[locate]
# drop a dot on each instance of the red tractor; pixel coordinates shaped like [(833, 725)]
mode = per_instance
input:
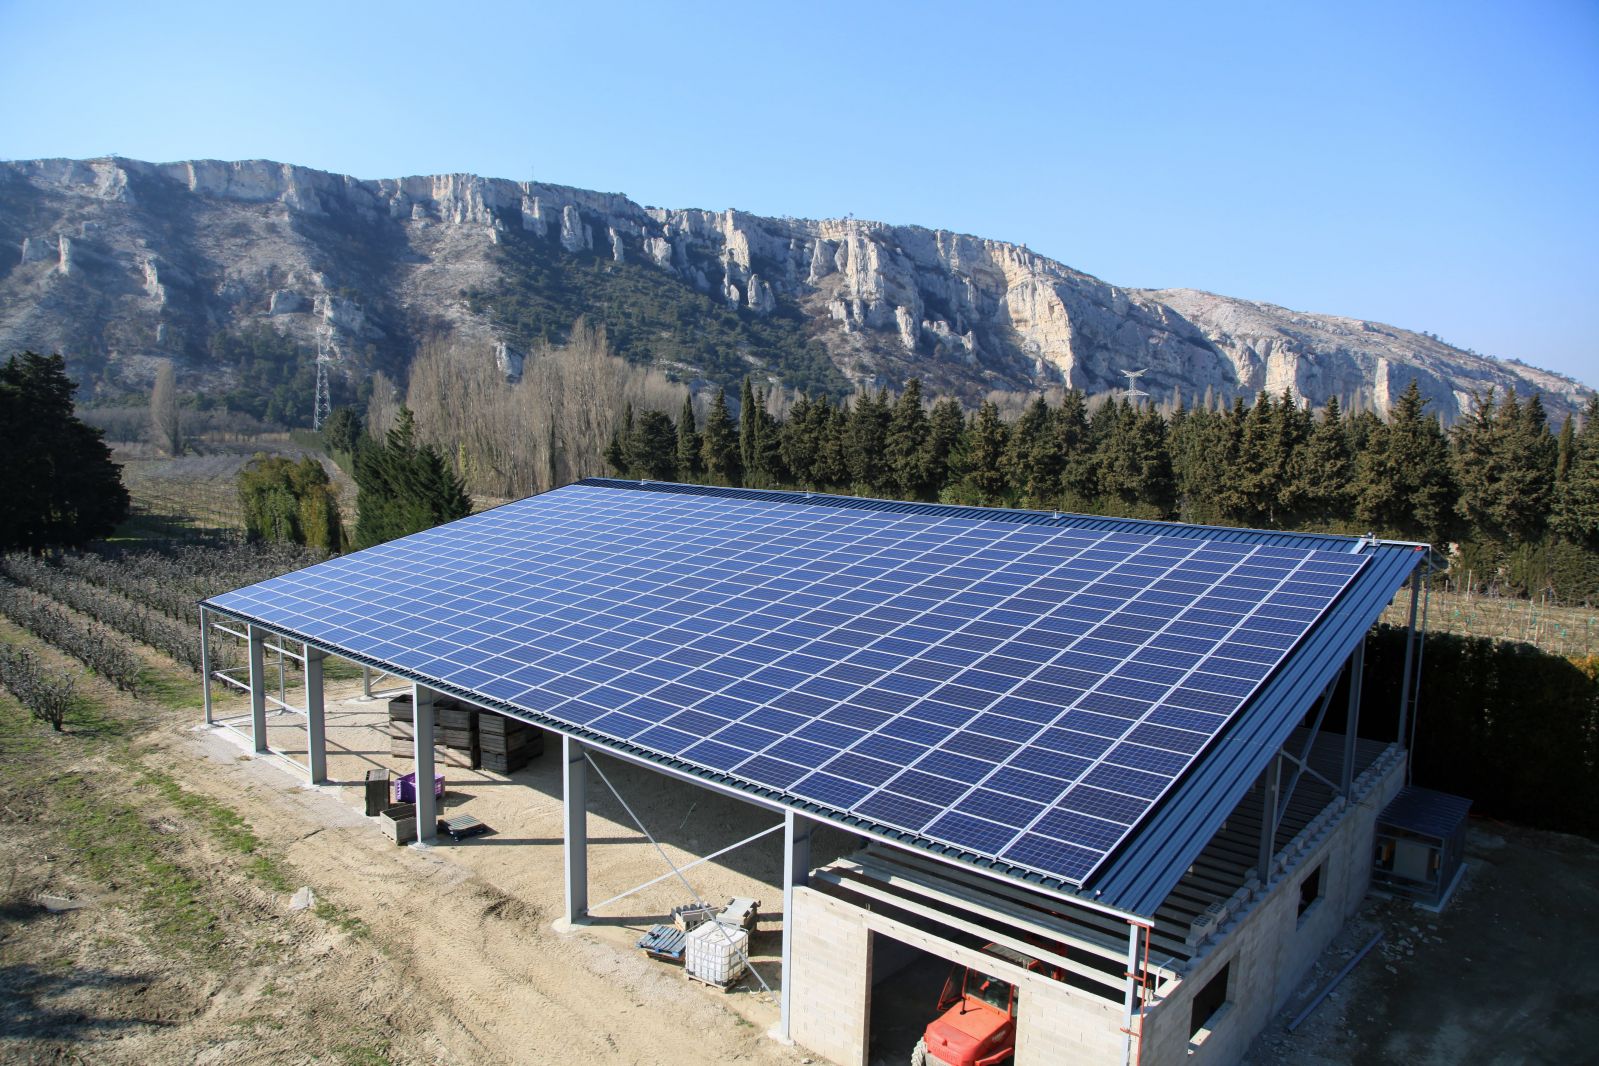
[(976, 1025)]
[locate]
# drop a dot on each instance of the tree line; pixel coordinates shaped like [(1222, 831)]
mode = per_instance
[(1521, 502)]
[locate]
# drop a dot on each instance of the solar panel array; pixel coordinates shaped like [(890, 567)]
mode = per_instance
[(1025, 692)]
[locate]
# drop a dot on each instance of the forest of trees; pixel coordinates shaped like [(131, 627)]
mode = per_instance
[(1522, 503)]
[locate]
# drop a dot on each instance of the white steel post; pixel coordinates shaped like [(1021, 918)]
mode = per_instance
[(574, 784), (366, 681), (1357, 675), (427, 805), (796, 871), (315, 719), (205, 662), (258, 728)]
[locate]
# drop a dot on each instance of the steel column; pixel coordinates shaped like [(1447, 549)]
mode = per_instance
[(316, 735), (1271, 788), (258, 729), (796, 871), (1357, 675), (427, 805), (574, 785), (205, 663), (366, 681), (1131, 992), (1410, 654)]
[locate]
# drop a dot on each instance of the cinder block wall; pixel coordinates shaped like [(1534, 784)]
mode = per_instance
[(1269, 946), (830, 1004)]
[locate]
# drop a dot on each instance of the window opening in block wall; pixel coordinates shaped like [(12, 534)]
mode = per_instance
[(1310, 889), (1209, 1001)]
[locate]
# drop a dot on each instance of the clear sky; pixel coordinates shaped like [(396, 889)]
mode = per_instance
[(1430, 165)]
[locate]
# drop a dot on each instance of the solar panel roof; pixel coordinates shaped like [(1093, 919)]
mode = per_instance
[(1024, 691)]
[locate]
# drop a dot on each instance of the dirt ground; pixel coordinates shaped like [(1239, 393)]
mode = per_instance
[(449, 954), (1506, 974)]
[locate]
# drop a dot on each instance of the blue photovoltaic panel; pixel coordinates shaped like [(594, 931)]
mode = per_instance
[(1024, 691)]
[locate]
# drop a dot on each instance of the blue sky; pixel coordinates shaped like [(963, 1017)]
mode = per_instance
[(1430, 165)]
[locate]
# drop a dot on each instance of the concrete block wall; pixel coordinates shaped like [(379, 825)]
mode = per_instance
[(1269, 947), (831, 1004), (830, 1001)]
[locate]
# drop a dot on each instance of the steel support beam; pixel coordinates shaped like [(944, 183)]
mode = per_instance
[(205, 663), (258, 728), (1357, 675), (1410, 654), (316, 734), (427, 804), (796, 871), (1271, 788), (574, 787), (366, 681)]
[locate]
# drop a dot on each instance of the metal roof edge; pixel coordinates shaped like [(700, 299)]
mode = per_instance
[(1141, 877)]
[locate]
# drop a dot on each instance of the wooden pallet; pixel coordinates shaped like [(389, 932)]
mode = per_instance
[(662, 942), (712, 984)]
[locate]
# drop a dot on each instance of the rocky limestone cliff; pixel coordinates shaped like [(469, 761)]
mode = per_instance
[(118, 263)]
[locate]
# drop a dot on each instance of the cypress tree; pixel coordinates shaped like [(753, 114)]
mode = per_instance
[(799, 438), (688, 442), (748, 427), (617, 451), (767, 446)]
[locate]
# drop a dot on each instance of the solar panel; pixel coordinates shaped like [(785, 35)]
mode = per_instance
[(1026, 692)]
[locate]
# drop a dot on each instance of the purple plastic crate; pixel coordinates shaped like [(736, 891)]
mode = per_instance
[(405, 787)]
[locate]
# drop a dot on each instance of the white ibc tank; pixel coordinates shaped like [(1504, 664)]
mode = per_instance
[(716, 953)]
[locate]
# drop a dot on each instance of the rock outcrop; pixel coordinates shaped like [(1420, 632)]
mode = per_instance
[(115, 262)]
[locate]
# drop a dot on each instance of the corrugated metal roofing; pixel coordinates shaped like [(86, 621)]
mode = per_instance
[(1425, 812)]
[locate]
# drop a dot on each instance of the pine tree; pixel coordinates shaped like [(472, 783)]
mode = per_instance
[(906, 445), (720, 448), (688, 442), (946, 428), (1135, 473), (59, 485), (1032, 459), (983, 469), (616, 452), (1577, 510), (404, 487), (1079, 478), (1323, 472), (800, 438), (866, 440), (1202, 448), (1505, 463), (1404, 484), (652, 447)]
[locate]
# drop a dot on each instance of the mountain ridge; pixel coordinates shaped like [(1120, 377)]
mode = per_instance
[(120, 263)]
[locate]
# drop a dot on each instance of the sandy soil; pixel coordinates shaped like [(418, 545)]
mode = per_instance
[(461, 964)]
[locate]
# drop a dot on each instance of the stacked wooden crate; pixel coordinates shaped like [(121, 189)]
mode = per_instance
[(457, 733), (454, 731), (402, 744), (507, 744)]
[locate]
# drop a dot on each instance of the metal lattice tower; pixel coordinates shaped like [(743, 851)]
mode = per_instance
[(1133, 392), (324, 398)]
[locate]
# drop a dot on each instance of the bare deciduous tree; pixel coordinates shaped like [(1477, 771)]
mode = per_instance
[(166, 420), (509, 439)]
